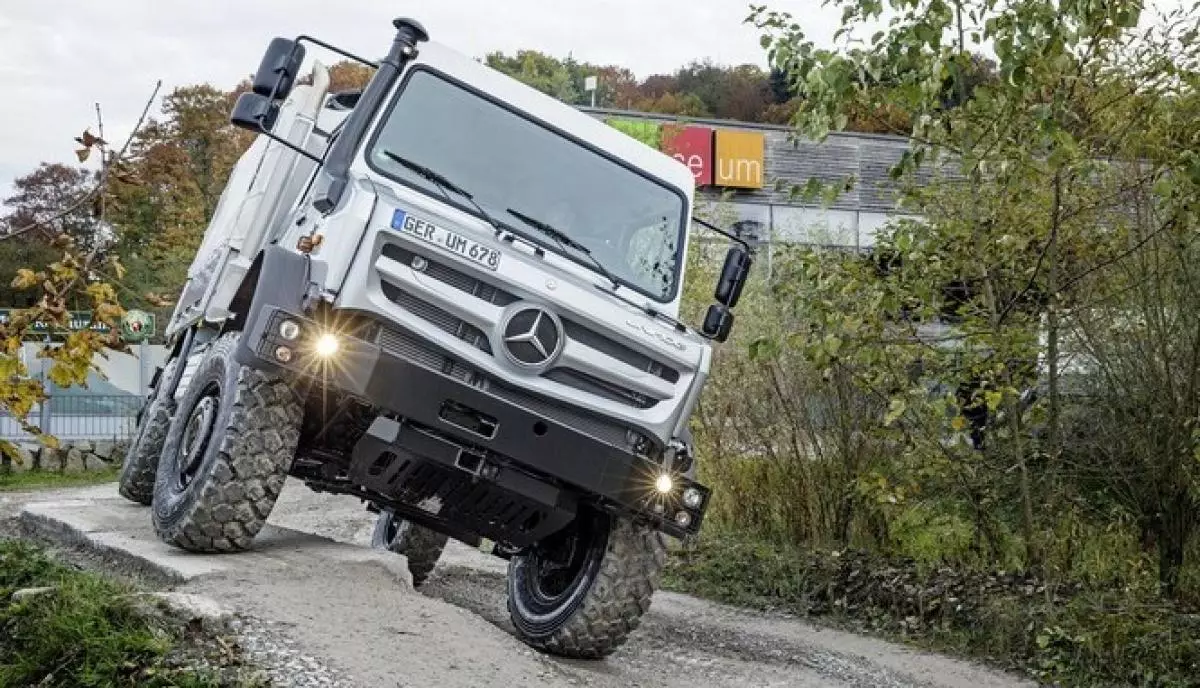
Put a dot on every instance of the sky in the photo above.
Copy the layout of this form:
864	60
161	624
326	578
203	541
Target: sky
59	57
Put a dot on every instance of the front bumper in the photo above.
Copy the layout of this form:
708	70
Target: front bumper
465	429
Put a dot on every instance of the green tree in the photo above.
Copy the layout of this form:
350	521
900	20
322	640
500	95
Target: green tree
1023	185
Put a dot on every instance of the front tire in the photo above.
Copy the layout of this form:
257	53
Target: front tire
141	459
421	546
581	593
226	455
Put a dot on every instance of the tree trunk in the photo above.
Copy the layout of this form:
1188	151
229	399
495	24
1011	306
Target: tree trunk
1174	528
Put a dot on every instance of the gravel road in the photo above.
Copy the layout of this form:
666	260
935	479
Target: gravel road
319	621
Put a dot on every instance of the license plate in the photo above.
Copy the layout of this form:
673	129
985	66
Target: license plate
450	241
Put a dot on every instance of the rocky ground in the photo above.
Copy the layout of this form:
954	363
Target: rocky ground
316	608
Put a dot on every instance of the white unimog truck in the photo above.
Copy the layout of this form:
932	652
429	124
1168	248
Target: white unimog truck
456	299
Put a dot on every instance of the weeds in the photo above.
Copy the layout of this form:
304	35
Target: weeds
85	631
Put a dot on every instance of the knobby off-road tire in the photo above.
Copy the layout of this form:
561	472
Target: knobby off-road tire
594	615
226	456
136	482
421	546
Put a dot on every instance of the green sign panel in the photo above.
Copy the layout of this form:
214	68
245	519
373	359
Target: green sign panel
136	326
76	320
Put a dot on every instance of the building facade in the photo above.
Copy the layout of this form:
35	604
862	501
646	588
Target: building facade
753	167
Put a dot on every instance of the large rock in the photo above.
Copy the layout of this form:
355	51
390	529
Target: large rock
25	458
27	593
50	460
84	446
95	463
74	462
104	450
23	461
187	608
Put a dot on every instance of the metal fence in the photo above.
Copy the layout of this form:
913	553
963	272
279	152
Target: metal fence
79	417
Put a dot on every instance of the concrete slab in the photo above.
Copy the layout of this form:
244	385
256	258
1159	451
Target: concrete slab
121	530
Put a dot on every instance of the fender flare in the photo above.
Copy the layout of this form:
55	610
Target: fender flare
281	281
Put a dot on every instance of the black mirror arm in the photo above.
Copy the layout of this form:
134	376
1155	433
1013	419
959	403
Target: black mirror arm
339	51
725	233
288	144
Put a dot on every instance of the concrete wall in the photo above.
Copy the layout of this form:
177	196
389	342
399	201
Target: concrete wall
119	373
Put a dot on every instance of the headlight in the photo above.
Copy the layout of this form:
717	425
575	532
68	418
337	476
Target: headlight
327	345
289	330
664	484
692	498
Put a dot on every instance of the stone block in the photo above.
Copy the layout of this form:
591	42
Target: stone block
74	462
50	460
104	450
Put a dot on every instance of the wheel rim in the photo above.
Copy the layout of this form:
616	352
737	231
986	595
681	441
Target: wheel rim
197	434
563	567
395	530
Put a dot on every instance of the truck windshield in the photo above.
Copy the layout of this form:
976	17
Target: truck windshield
630	223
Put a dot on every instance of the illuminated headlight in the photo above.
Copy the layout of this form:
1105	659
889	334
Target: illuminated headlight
289	330
283	354
327	345
683	519
692	498
664	484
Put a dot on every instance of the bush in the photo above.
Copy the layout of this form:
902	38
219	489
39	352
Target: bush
1064	635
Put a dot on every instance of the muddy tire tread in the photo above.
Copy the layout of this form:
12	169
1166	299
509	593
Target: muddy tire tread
136	482
621	593
257	447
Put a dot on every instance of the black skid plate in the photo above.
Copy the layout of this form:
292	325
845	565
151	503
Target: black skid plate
457	484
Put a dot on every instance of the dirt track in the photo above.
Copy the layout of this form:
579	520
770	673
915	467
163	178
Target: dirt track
363	628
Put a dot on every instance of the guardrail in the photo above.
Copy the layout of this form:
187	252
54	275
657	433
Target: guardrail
79	417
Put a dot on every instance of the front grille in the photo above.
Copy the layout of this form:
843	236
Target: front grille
414	349
446	321
444	273
601	388
619	351
609	390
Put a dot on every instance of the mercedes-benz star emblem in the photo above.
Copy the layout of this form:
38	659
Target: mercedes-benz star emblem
532	337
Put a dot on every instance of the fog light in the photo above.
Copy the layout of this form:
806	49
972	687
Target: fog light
664	484
289	330
692	498
327	345
683	519
283	354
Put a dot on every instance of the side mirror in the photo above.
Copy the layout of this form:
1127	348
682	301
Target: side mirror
255	112
717	323
277	72
733	277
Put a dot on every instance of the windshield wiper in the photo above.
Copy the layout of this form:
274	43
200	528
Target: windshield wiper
565	241
443	184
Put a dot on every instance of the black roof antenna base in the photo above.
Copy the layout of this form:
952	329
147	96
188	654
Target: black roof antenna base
416	31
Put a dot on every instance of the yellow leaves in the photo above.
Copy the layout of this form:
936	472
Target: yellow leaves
158	300
114	262
27	279
959	423
109	313
101	293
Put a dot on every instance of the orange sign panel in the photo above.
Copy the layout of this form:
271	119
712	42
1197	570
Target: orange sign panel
739	159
